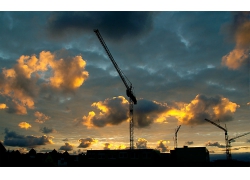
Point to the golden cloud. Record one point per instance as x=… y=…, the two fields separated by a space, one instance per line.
x=111 y=112
x=24 y=125
x=122 y=146
x=3 y=106
x=204 y=107
x=20 y=82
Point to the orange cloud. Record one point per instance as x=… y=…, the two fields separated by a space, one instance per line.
x=41 y=118
x=3 y=106
x=204 y=107
x=241 y=28
x=24 y=125
x=111 y=112
x=87 y=142
x=235 y=58
x=69 y=74
x=20 y=83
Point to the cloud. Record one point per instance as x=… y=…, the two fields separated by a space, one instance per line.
x=115 y=25
x=146 y=112
x=11 y=138
x=162 y=146
x=122 y=146
x=115 y=111
x=107 y=146
x=248 y=141
x=189 y=142
x=41 y=118
x=3 y=106
x=16 y=108
x=24 y=125
x=67 y=147
x=87 y=142
x=65 y=139
x=112 y=112
x=217 y=144
x=46 y=130
x=248 y=103
x=202 y=107
x=239 y=29
x=57 y=72
x=141 y=143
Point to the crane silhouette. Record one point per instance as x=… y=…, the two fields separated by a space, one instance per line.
x=127 y=83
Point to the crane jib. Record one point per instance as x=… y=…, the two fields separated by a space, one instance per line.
x=129 y=88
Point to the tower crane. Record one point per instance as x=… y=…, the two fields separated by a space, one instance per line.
x=127 y=83
x=226 y=137
x=175 y=139
x=230 y=140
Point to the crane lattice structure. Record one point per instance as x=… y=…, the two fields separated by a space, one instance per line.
x=230 y=140
x=175 y=139
x=127 y=83
x=226 y=138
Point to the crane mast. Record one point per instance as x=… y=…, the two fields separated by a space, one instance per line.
x=129 y=91
x=226 y=138
x=175 y=139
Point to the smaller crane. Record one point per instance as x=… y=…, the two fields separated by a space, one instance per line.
x=175 y=139
x=226 y=137
x=230 y=140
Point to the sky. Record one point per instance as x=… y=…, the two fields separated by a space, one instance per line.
x=59 y=89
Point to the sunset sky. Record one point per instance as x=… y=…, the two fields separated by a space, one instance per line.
x=59 y=90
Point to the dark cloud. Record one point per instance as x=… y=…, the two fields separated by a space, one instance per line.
x=113 y=112
x=189 y=142
x=87 y=142
x=67 y=147
x=141 y=143
x=147 y=111
x=47 y=130
x=217 y=144
x=65 y=139
x=107 y=146
x=161 y=145
x=11 y=138
x=248 y=140
x=113 y=25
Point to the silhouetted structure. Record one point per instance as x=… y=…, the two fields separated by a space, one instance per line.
x=190 y=156
x=179 y=157
x=127 y=83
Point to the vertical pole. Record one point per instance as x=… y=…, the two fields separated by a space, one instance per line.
x=131 y=124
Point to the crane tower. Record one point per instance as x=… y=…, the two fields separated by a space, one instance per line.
x=129 y=88
x=175 y=139
x=226 y=137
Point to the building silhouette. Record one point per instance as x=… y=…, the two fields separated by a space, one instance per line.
x=179 y=157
